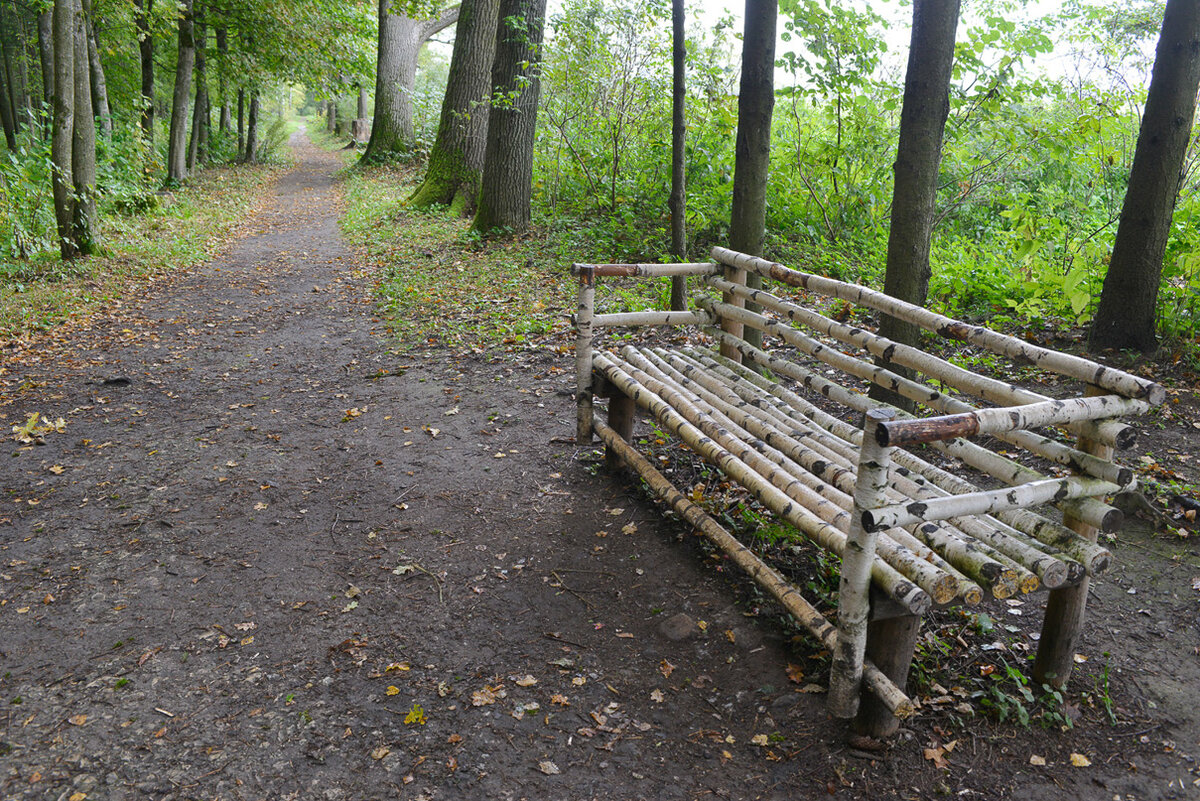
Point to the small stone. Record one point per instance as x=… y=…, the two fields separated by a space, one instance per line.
x=678 y=627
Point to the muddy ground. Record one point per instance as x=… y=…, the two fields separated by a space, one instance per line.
x=269 y=555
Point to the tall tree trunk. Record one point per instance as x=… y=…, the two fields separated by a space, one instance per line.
x=45 y=26
x=678 y=200
x=177 y=142
x=146 y=55
x=1125 y=317
x=331 y=116
x=85 y=223
x=506 y=184
x=226 y=121
x=98 y=86
x=6 y=115
x=456 y=160
x=64 y=124
x=362 y=101
x=918 y=154
x=251 y=154
x=241 y=124
x=198 y=145
x=752 y=151
x=8 y=79
x=24 y=111
x=400 y=40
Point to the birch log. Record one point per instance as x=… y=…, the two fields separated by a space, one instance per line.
x=583 y=356
x=854 y=597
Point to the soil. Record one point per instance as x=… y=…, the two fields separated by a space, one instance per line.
x=269 y=555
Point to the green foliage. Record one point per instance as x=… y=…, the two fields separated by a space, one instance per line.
x=26 y=204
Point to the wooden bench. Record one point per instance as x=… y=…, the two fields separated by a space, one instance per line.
x=947 y=506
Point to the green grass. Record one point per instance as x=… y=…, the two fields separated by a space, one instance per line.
x=185 y=227
x=440 y=285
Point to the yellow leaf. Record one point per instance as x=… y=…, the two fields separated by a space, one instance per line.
x=77 y=720
x=526 y=681
x=759 y=739
x=1037 y=760
x=393 y=690
x=666 y=668
x=729 y=635
x=77 y=797
x=58 y=471
x=380 y=752
x=1080 y=761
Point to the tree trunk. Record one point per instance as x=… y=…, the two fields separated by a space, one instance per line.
x=752 y=154
x=331 y=116
x=45 y=23
x=198 y=145
x=177 y=138
x=456 y=159
x=98 y=86
x=362 y=102
x=506 y=184
x=400 y=40
x=1125 y=317
x=6 y=115
x=241 y=125
x=250 y=156
x=225 y=123
x=678 y=199
x=922 y=124
x=64 y=124
x=84 y=223
x=146 y=51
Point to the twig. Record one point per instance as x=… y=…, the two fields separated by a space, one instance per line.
x=562 y=584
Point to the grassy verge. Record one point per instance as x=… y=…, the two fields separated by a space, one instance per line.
x=186 y=227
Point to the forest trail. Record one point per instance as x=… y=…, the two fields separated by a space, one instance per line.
x=265 y=555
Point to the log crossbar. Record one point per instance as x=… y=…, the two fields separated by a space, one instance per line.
x=795 y=427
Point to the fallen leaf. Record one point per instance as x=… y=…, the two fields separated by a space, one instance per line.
x=454 y=739
x=77 y=720
x=702 y=625
x=1037 y=760
x=392 y=690
x=629 y=528
x=729 y=635
x=245 y=626
x=616 y=512
x=483 y=697
x=795 y=673
x=526 y=681
x=666 y=668
x=77 y=797
x=400 y=666
x=57 y=469
x=560 y=699
x=1080 y=761
x=937 y=756
x=759 y=739
x=549 y=768
x=415 y=715
x=452 y=411
x=657 y=696
x=380 y=752
x=579 y=681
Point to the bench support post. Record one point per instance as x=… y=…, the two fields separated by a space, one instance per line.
x=854 y=591
x=583 y=354
x=622 y=412
x=1065 y=607
x=890 y=645
x=735 y=276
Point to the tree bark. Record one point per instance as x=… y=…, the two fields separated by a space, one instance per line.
x=6 y=115
x=177 y=138
x=198 y=145
x=241 y=124
x=331 y=115
x=64 y=124
x=9 y=81
x=143 y=8
x=225 y=121
x=506 y=185
x=918 y=155
x=250 y=156
x=678 y=199
x=752 y=153
x=456 y=160
x=98 y=86
x=400 y=40
x=45 y=23
x=1125 y=317
x=84 y=222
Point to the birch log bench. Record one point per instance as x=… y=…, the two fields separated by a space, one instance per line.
x=991 y=489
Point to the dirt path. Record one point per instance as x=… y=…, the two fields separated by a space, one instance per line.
x=266 y=557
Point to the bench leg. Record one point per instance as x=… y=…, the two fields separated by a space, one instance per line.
x=1065 y=607
x=622 y=411
x=890 y=645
